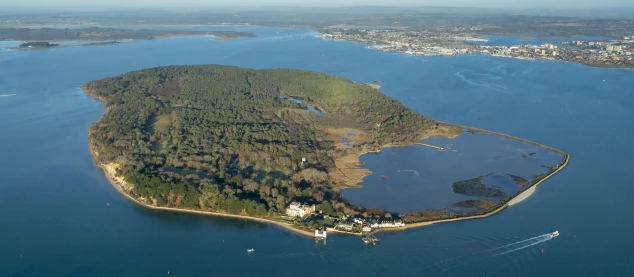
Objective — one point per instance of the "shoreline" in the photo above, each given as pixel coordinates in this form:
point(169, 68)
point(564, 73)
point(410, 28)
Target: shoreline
point(118, 187)
point(110, 171)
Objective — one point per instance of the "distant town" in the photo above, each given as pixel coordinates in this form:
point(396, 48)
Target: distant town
point(618, 53)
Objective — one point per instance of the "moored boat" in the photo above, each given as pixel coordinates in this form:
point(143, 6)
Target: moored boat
point(365, 239)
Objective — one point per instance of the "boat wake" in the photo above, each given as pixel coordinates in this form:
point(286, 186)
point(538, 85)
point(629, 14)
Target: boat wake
point(6, 95)
point(409, 170)
point(512, 247)
point(491, 256)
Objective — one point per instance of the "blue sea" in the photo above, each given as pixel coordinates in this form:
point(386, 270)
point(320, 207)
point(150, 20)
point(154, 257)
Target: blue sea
point(59, 216)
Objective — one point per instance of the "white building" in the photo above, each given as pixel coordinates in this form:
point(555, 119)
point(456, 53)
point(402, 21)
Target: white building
point(296, 209)
point(320, 233)
point(387, 224)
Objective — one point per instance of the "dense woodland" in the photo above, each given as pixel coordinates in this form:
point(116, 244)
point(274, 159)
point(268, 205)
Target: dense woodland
point(223, 138)
point(97, 33)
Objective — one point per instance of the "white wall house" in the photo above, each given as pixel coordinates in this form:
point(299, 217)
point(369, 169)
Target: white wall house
point(296, 209)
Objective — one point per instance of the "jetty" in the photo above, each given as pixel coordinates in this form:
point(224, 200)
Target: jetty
point(369, 237)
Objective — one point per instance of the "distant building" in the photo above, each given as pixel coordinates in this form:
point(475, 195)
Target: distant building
point(296, 209)
point(609, 48)
point(320, 233)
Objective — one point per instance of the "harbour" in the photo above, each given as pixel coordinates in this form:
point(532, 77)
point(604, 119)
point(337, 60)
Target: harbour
point(48, 236)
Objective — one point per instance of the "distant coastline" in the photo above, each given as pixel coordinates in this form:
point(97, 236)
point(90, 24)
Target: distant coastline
point(99, 34)
point(57, 46)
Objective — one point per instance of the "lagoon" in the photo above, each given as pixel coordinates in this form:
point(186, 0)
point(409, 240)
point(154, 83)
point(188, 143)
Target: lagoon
point(53, 201)
point(417, 178)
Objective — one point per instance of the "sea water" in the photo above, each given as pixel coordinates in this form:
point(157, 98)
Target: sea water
point(59, 216)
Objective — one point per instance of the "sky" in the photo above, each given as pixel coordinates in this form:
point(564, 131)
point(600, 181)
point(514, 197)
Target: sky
point(572, 4)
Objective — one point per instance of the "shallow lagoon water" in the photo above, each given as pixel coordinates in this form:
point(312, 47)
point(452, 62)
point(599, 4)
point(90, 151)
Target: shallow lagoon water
point(420, 178)
point(53, 201)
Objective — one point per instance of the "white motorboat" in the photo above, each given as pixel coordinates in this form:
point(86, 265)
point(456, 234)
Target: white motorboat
point(555, 233)
point(250, 250)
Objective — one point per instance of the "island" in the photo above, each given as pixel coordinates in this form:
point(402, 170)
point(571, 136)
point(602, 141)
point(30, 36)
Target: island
point(104, 34)
point(264, 144)
point(37, 45)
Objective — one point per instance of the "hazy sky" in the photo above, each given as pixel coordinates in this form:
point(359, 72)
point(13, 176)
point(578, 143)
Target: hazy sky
point(210, 3)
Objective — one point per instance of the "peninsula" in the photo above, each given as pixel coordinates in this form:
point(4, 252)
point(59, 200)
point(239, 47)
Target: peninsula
point(104, 34)
point(262, 144)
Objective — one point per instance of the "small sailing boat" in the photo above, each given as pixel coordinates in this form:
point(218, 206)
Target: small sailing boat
point(250, 250)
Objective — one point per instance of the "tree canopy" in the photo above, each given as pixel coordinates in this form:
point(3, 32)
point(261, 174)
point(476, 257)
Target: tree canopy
point(226, 139)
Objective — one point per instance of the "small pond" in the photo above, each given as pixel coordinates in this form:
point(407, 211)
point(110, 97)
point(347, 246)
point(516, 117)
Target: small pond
point(301, 103)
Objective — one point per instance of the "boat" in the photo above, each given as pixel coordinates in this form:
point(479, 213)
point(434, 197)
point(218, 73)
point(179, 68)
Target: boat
point(250, 250)
point(555, 233)
point(365, 240)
